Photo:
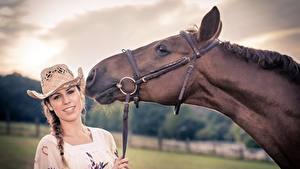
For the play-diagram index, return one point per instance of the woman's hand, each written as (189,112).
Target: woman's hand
(121,163)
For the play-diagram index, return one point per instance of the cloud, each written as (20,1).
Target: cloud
(11,26)
(96,35)
(271,25)
(251,17)
(93,34)
(275,35)
(285,41)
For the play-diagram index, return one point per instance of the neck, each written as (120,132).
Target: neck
(72,128)
(262,102)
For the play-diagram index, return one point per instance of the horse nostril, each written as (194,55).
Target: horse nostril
(91,78)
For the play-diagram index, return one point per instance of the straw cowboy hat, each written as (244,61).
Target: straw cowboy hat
(56,77)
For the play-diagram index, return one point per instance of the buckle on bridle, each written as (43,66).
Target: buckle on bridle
(119,85)
(144,80)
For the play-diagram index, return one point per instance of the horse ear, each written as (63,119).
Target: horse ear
(210,26)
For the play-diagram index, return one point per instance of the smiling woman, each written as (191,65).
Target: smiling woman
(71,144)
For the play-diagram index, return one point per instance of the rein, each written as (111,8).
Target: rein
(138,79)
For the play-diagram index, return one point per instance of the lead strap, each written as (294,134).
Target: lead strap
(125,124)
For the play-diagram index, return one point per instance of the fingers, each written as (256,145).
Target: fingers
(122,163)
(121,160)
(123,166)
(124,160)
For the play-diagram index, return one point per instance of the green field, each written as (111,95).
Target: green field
(18,152)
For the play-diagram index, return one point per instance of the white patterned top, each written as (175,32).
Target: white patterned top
(99,154)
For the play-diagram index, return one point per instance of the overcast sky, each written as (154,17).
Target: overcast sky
(35,34)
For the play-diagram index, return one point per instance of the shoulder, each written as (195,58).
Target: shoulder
(47,146)
(102,133)
(106,137)
(48,140)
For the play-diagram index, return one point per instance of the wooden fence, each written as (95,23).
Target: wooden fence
(224,149)
(215,148)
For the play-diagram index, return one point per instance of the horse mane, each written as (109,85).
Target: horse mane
(266,59)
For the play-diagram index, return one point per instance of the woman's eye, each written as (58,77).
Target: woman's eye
(56,97)
(162,50)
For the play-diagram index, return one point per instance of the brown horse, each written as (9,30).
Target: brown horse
(258,89)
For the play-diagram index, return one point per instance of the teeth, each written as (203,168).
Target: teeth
(70,109)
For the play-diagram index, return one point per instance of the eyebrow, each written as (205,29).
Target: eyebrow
(69,88)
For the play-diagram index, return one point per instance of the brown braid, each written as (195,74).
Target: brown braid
(54,122)
(56,127)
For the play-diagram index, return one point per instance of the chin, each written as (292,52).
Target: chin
(71,119)
(72,116)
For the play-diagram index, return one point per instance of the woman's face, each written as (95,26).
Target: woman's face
(67,104)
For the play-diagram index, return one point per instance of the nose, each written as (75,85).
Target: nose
(66,99)
(91,78)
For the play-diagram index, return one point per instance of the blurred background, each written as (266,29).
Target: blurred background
(35,34)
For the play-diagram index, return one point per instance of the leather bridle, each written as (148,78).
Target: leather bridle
(138,78)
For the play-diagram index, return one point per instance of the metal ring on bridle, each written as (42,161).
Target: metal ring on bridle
(119,85)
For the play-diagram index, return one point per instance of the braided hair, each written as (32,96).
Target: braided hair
(55,125)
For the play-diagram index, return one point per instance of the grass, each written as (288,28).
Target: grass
(147,159)
(23,129)
(18,152)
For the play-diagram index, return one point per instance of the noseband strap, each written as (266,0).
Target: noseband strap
(138,78)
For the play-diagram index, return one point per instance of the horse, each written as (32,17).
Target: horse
(258,89)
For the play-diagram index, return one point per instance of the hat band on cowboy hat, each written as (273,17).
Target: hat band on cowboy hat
(55,78)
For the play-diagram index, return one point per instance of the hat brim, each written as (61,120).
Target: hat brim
(78,80)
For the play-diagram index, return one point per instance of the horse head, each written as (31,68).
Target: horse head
(164,89)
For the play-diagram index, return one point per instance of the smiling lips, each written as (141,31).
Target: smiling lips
(69,109)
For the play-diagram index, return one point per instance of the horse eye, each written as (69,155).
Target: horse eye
(162,50)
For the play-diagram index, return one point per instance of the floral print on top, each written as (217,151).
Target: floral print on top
(99,154)
(95,165)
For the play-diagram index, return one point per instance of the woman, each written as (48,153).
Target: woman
(71,144)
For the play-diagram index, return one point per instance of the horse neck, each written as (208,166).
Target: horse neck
(262,102)
(248,83)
